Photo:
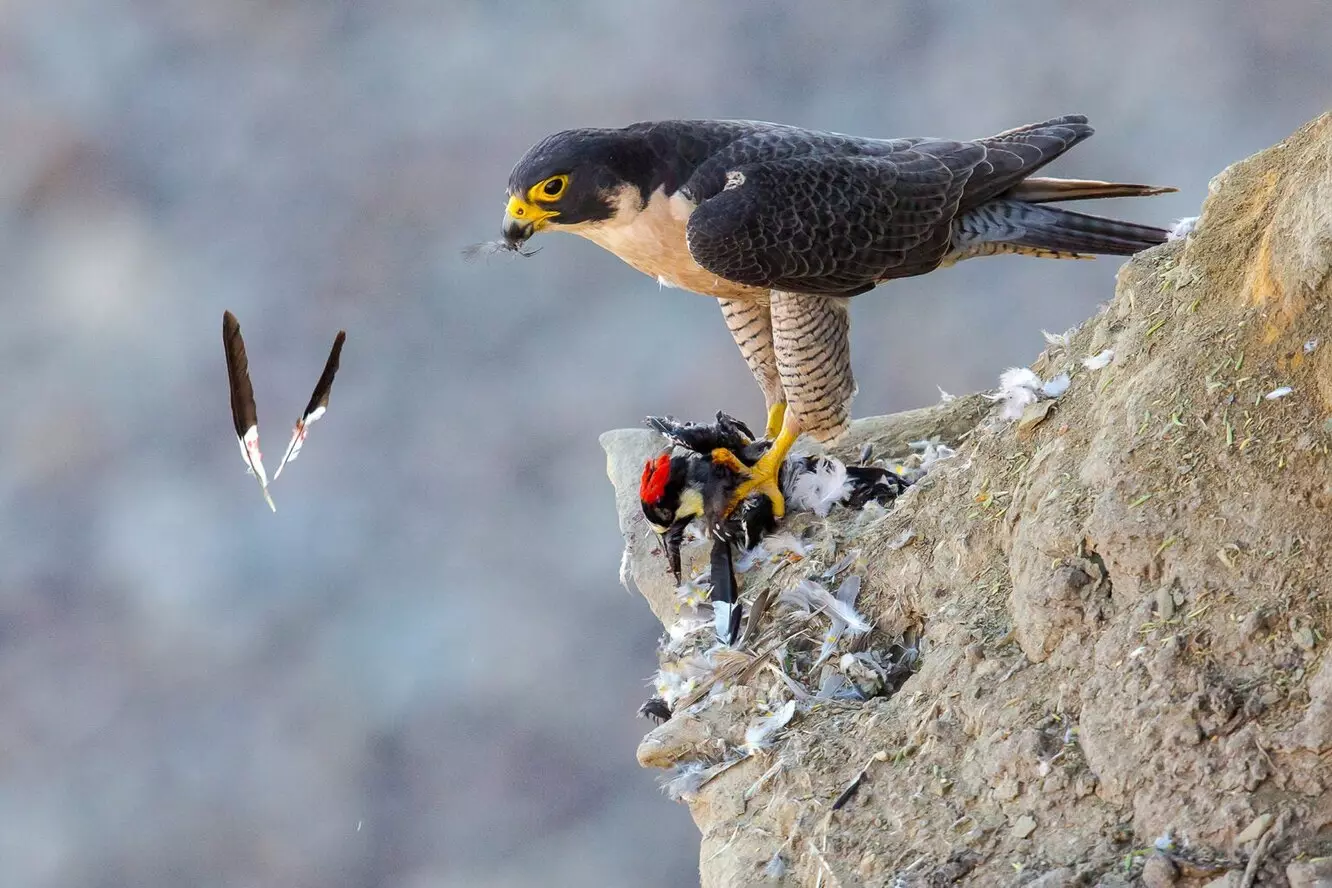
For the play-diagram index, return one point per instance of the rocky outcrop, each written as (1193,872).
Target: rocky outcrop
(1118,605)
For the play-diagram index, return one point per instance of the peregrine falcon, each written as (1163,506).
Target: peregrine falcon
(783,224)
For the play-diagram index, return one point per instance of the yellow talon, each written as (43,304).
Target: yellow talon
(723,457)
(763,475)
(776,413)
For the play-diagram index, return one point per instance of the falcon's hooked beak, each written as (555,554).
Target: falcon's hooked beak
(522,220)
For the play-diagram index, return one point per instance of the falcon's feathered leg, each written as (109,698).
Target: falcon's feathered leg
(811,341)
(751,328)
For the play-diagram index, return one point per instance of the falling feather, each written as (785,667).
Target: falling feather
(244,415)
(317,405)
(1276,393)
(776,868)
(820,489)
(760,733)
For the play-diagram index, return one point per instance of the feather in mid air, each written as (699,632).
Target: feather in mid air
(317,405)
(244,413)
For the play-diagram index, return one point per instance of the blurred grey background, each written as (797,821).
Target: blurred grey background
(421,671)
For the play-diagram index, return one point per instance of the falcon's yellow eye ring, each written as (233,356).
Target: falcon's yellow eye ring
(549,189)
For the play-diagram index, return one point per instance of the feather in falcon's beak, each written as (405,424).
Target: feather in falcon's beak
(523,219)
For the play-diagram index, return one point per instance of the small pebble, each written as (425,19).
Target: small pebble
(1315,873)
(1159,872)
(1024,827)
(1254,831)
(1165,604)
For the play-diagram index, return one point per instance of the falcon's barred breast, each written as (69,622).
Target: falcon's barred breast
(782,223)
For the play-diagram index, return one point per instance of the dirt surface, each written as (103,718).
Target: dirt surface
(1116,607)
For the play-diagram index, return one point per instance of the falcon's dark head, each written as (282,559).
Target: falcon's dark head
(573,178)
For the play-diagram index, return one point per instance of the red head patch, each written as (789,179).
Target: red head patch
(656,472)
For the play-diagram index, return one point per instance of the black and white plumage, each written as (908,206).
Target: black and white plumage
(244,413)
(317,404)
(781,224)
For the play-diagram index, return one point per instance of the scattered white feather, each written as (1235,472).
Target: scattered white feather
(842,563)
(761,730)
(944,397)
(818,491)
(749,558)
(1279,393)
(1019,377)
(776,868)
(1164,842)
(781,543)
(799,691)
(1182,228)
(678,679)
(901,539)
(1057,339)
(1102,359)
(692,593)
(836,687)
(847,593)
(626,567)
(1310,346)
(684,782)
(1053,388)
(932,452)
(810,597)
(1020,387)
(680,631)
(1017,388)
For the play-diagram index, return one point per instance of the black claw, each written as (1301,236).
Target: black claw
(672,541)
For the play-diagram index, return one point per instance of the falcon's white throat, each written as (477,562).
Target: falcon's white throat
(652,239)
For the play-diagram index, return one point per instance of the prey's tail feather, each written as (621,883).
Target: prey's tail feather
(1038,227)
(1039,190)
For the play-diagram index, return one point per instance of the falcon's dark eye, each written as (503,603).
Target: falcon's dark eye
(552,187)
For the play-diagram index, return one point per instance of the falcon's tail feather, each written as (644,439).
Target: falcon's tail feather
(1041,190)
(1023,224)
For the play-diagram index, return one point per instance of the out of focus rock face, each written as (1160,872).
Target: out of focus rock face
(1120,611)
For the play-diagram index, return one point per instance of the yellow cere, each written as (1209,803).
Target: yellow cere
(523,211)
